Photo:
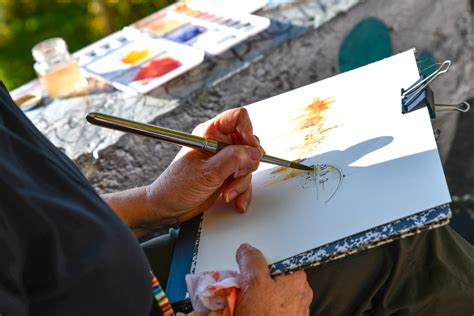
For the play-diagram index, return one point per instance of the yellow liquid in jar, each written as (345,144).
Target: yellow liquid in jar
(64,81)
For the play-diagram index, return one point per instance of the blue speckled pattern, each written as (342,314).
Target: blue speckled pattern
(377,236)
(407,226)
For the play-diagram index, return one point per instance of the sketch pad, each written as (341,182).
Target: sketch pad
(378,176)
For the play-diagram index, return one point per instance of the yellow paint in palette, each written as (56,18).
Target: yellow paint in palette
(135,56)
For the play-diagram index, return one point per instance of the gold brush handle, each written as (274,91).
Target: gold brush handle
(175,137)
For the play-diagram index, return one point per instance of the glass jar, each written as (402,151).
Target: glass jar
(57,70)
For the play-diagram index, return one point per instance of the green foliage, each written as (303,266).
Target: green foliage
(24,23)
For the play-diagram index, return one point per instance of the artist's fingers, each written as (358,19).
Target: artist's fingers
(236,161)
(242,201)
(252,265)
(308,299)
(236,187)
(235,121)
(297,284)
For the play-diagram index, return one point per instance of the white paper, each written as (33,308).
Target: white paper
(376,165)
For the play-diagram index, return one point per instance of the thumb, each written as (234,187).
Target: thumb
(237,160)
(251,262)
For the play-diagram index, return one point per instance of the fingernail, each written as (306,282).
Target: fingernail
(242,251)
(255,153)
(232,195)
(244,206)
(245,246)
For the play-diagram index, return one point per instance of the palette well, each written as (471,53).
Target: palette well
(132,60)
(211,31)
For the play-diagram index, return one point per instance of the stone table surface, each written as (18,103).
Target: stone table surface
(299,48)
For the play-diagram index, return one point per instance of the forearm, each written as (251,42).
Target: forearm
(130,205)
(136,210)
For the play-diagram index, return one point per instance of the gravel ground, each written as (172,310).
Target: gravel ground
(459,166)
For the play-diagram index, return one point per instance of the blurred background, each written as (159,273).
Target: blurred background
(23,23)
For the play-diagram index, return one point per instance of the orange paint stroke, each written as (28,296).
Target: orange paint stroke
(314,113)
(311,123)
(284,174)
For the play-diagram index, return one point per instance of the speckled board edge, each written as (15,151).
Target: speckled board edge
(408,226)
(377,236)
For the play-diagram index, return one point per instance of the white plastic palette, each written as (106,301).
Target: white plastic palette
(129,59)
(211,31)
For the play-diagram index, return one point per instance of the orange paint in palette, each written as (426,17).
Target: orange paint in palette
(156,68)
(184,9)
(163,26)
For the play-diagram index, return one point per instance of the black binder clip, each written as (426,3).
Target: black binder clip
(420,95)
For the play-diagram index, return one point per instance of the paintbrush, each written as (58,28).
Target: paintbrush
(176,137)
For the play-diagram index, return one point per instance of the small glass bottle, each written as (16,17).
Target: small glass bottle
(57,70)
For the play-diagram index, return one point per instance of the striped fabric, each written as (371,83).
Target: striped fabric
(161,298)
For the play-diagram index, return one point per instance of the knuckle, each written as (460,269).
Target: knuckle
(211,176)
(256,279)
(236,156)
(239,155)
(202,128)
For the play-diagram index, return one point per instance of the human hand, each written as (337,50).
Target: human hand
(262,295)
(196,179)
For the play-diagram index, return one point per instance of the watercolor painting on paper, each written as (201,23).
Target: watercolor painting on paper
(372,165)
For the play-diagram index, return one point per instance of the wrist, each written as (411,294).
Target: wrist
(157,214)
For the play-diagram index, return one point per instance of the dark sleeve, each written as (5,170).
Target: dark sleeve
(12,292)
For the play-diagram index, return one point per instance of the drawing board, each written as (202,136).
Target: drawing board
(373,165)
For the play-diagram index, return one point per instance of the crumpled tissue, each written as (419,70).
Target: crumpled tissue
(214,292)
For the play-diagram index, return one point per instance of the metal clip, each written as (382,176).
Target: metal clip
(419,86)
(420,95)
(461,107)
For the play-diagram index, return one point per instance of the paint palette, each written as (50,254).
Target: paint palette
(211,31)
(130,59)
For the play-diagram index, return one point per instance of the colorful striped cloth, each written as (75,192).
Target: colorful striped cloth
(161,298)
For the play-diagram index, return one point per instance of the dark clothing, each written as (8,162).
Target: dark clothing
(63,251)
(431,273)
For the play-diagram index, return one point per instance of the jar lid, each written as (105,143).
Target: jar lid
(49,49)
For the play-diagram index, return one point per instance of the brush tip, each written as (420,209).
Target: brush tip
(300,166)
